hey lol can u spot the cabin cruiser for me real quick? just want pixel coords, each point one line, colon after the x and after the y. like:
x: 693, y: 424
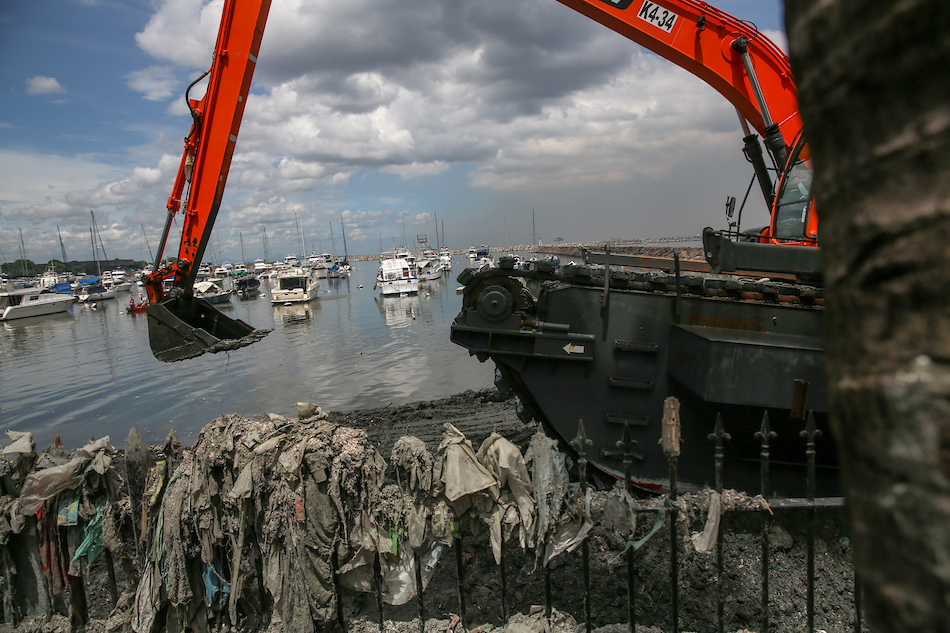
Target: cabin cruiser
x: 18, y: 304
x: 428, y: 269
x: 92, y: 289
x: 116, y: 279
x: 397, y: 277
x: 295, y: 285
x: 212, y: 292
x: 445, y: 256
x: 483, y: 258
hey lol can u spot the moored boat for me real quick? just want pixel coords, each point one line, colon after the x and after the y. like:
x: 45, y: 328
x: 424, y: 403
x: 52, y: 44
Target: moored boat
x: 212, y: 292
x: 91, y: 289
x: 445, y: 256
x: 428, y: 268
x: 138, y: 302
x: 19, y: 304
x: 247, y: 284
x: 295, y: 285
x: 396, y: 277
x: 483, y: 258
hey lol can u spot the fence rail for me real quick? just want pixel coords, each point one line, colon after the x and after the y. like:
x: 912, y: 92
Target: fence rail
x: 765, y: 509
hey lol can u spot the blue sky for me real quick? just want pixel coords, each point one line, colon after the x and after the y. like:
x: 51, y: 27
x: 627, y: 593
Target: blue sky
x: 387, y: 113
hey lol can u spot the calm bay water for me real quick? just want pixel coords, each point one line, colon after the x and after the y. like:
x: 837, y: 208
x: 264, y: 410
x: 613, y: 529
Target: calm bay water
x: 91, y: 372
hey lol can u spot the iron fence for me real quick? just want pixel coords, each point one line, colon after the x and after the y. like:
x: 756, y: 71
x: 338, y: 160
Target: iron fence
x: 766, y: 508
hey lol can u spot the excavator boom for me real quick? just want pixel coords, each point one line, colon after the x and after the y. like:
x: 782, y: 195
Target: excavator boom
x: 180, y: 325
x: 709, y: 43
x: 746, y: 68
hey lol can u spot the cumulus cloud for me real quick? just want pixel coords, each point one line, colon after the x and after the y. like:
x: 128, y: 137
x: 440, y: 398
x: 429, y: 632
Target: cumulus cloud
x: 40, y: 85
x: 156, y: 83
x: 527, y: 100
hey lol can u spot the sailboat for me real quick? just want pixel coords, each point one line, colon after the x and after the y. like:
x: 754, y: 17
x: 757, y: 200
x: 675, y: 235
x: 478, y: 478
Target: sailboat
x: 333, y: 267
x: 91, y: 288
x: 345, y: 264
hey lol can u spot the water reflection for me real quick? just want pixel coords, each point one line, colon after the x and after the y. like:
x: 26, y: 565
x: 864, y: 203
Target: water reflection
x: 294, y: 313
x: 91, y: 372
x: 399, y: 311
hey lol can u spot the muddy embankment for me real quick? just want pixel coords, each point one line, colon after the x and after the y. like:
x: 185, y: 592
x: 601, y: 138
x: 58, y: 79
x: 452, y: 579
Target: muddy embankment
x: 278, y: 524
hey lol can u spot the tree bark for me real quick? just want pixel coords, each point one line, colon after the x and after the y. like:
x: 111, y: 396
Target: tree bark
x: 874, y: 93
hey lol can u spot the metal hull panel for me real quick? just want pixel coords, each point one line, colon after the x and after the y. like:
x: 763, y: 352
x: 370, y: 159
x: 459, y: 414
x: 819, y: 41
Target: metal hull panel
x: 577, y: 353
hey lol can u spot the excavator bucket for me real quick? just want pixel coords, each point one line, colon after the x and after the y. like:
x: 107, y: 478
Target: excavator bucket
x: 183, y: 327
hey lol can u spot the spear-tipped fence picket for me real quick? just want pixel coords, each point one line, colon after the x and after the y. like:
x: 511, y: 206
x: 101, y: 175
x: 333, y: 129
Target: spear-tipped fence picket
x: 670, y: 441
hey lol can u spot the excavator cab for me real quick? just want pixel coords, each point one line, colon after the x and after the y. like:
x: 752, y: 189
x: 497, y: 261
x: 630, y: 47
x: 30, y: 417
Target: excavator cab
x: 794, y: 220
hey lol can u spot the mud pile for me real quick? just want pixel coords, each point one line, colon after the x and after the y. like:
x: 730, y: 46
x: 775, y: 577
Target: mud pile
x: 311, y: 523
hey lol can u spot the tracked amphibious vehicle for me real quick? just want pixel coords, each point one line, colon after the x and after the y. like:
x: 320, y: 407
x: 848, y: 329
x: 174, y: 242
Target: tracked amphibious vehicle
x: 608, y: 341
x: 736, y: 335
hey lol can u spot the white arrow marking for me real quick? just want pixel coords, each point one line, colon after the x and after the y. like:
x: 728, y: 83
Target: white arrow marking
x: 570, y: 348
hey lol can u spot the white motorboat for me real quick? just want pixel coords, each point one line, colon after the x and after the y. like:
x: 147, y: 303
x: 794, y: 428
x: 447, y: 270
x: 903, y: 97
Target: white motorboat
x: 19, y: 304
x: 483, y: 258
x: 50, y: 278
x: 397, y: 277
x: 116, y: 279
x: 317, y: 264
x: 94, y: 291
x: 445, y: 256
x: 212, y: 292
x: 429, y: 268
x: 204, y: 271
x: 295, y: 285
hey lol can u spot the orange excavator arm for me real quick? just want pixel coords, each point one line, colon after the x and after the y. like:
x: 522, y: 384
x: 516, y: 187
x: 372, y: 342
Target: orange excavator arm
x: 741, y: 64
x: 710, y: 44
x: 181, y: 326
x: 206, y: 159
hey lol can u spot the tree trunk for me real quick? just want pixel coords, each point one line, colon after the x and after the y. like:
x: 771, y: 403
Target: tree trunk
x: 874, y: 92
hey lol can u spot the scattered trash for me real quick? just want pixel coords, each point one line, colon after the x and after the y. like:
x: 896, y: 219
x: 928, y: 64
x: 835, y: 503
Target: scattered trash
x: 265, y: 520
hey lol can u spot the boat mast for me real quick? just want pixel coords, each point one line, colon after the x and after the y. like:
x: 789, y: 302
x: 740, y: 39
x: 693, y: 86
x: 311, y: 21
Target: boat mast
x: 332, y: 245
x: 264, y: 243
x: 243, y: 258
x: 96, y: 228
x: 346, y: 255
x: 436, y: 214
x: 23, y: 253
x: 95, y: 251
x: 62, y: 247
x: 145, y: 235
